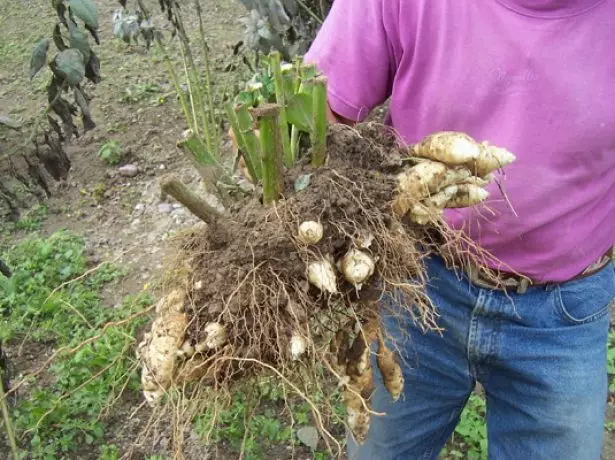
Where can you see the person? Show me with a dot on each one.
(536, 77)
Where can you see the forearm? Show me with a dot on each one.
(333, 117)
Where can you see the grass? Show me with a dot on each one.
(64, 407)
(258, 421)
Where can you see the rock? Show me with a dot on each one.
(128, 170)
(165, 208)
(308, 435)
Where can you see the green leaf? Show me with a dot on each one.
(79, 40)
(70, 66)
(302, 182)
(86, 11)
(39, 57)
(299, 111)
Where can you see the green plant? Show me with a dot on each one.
(469, 441)
(51, 298)
(111, 152)
(140, 92)
(109, 452)
(611, 361)
(74, 62)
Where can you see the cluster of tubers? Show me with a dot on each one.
(451, 172)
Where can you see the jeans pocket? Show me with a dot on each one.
(586, 299)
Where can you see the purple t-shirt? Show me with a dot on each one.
(534, 76)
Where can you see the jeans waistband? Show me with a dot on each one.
(519, 283)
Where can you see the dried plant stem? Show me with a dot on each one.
(271, 150)
(319, 134)
(280, 95)
(196, 205)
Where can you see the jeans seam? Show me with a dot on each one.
(576, 321)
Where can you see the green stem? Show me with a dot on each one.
(280, 95)
(247, 141)
(178, 89)
(319, 135)
(271, 150)
(208, 87)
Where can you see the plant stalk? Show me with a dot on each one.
(171, 185)
(247, 141)
(208, 87)
(280, 95)
(319, 135)
(271, 150)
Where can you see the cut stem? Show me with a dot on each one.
(280, 95)
(171, 185)
(319, 135)
(271, 150)
(247, 141)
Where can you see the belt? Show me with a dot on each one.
(479, 276)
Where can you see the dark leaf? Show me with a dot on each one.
(39, 57)
(79, 40)
(92, 69)
(55, 160)
(123, 3)
(86, 11)
(70, 66)
(84, 105)
(302, 182)
(299, 111)
(93, 33)
(62, 108)
(237, 47)
(60, 9)
(36, 173)
(56, 127)
(57, 38)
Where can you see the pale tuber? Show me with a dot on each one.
(322, 275)
(310, 232)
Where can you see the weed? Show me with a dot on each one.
(109, 452)
(29, 221)
(140, 92)
(111, 152)
(67, 413)
(258, 420)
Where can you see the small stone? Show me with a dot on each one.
(308, 435)
(139, 207)
(176, 205)
(165, 208)
(129, 170)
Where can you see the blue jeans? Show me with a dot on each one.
(540, 356)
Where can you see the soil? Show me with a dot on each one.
(124, 219)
